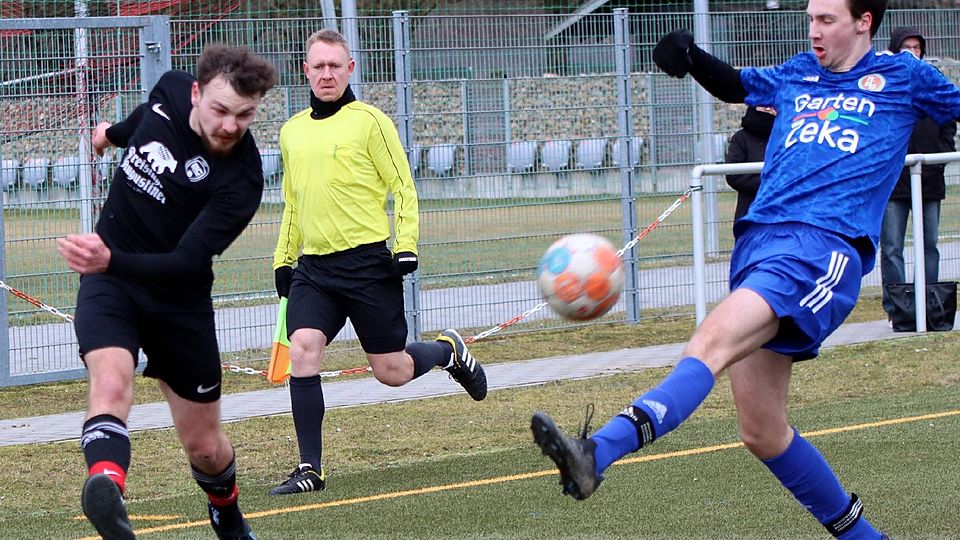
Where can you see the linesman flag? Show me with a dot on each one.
(279, 368)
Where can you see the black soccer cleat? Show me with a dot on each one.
(303, 479)
(574, 457)
(463, 367)
(229, 523)
(103, 505)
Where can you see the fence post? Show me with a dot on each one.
(401, 54)
(5, 372)
(84, 121)
(348, 14)
(628, 192)
(155, 50)
(701, 22)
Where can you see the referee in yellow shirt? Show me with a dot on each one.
(340, 159)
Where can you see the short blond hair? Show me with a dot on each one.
(330, 37)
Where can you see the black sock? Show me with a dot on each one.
(223, 493)
(221, 488)
(428, 355)
(106, 447)
(306, 401)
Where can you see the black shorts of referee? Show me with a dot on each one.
(357, 283)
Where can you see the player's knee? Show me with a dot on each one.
(763, 442)
(710, 350)
(391, 380)
(391, 376)
(306, 352)
(201, 450)
(111, 392)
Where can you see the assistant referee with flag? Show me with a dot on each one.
(341, 157)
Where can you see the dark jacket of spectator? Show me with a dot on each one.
(746, 146)
(927, 138)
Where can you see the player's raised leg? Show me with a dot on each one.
(739, 324)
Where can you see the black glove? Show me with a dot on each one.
(404, 263)
(672, 53)
(282, 276)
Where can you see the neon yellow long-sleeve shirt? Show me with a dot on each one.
(337, 173)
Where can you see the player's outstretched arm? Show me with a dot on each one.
(119, 134)
(676, 55)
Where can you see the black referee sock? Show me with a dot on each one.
(306, 402)
(428, 355)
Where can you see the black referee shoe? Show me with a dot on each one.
(103, 505)
(463, 367)
(303, 479)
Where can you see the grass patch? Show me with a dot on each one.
(903, 472)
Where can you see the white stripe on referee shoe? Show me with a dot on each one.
(823, 292)
(468, 360)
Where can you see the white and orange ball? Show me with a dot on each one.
(581, 276)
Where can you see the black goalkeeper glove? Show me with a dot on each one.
(281, 277)
(672, 53)
(404, 263)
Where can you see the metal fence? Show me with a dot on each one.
(517, 133)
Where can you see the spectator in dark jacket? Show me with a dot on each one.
(747, 146)
(927, 137)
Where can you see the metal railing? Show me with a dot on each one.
(701, 247)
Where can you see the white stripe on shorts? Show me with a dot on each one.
(823, 292)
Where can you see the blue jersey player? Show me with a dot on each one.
(845, 114)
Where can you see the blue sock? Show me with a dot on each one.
(803, 470)
(655, 413)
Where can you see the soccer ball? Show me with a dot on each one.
(581, 276)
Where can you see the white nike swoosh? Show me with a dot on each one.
(156, 108)
(202, 390)
(110, 472)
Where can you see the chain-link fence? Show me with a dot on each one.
(520, 128)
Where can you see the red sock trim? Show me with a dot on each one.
(111, 469)
(225, 501)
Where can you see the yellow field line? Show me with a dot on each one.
(141, 517)
(527, 476)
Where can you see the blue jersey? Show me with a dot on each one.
(839, 139)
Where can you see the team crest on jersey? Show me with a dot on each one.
(196, 169)
(872, 83)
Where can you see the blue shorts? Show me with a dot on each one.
(810, 278)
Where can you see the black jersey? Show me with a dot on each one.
(173, 205)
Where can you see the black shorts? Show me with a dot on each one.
(356, 283)
(179, 339)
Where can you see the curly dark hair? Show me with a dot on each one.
(249, 75)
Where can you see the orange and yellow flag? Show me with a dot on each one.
(279, 368)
